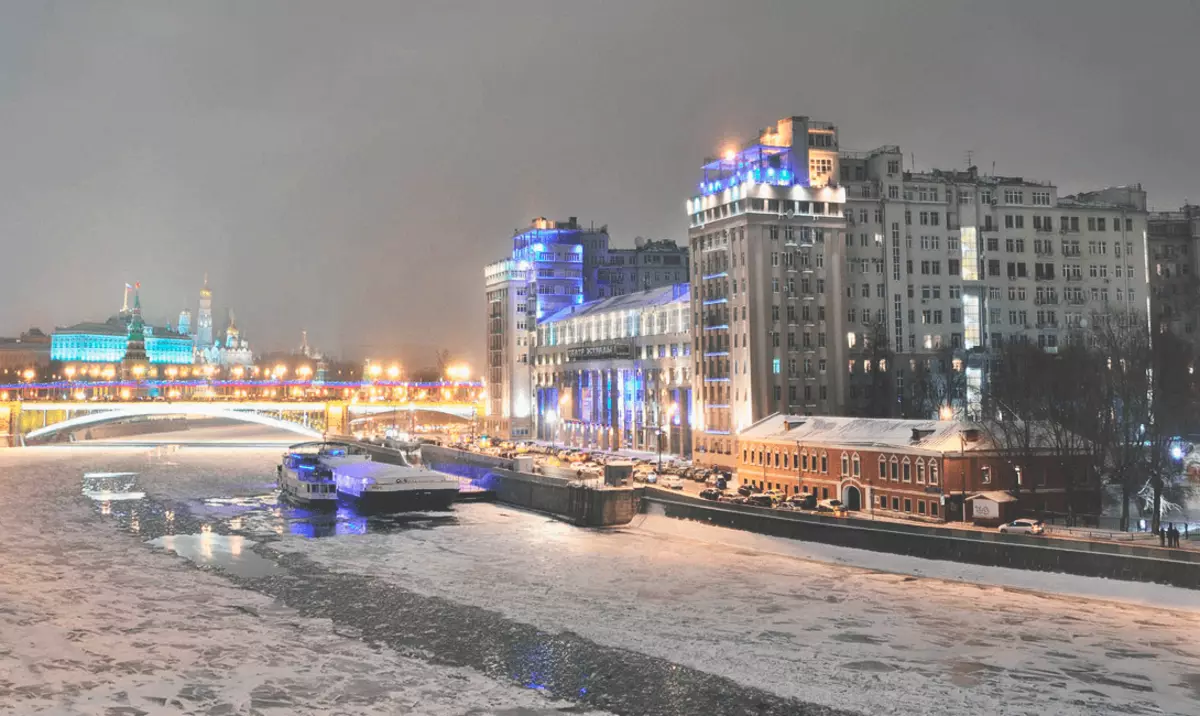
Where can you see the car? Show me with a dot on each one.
(735, 499)
(652, 478)
(760, 501)
(1026, 527)
(746, 490)
(830, 506)
(673, 482)
(807, 501)
(711, 493)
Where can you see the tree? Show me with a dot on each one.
(1015, 404)
(937, 382)
(881, 393)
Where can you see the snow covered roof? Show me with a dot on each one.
(630, 301)
(994, 496)
(930, 436)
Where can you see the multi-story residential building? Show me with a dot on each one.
(916, 469)
(1173, 240)
(650, 263)
(766, 237)
(943, 265)
(615, 373)
(553, 265)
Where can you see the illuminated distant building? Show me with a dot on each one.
(204, 319)
(233, 351)
(185, 323)
(124, 335)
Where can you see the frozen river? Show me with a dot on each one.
(491, 610)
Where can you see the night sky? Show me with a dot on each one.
(349, 167)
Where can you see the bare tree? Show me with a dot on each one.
(938, 382)
(1016, 404)
(881, 393)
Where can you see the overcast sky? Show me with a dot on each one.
(349, 167)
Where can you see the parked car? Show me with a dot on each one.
(711, 493)
(760, 501)
(735, 499)
(830, 506)
(673, 482)
(652, 478)
(807, 501)
(1026, 527)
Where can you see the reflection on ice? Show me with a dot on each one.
(229, 552)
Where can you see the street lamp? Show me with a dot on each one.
(393, 372)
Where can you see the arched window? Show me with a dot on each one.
(785, 459)
(933, 473)
(804, 460)
(895, 469)
(906, 469)
(856, 466)
(824, 463)
(882, 467)
(845, 464)
(920, 471)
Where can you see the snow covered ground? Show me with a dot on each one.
(93, 617)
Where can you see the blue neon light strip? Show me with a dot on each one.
(723, 274)
(718, 432)
(718, 354)
(712, 301)
(716, 328)
(716, 380)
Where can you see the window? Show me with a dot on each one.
(895, 469)
(920, 507)
(845, 464)
(856, 468)
(824, 463)
(906, 467)
(907, 504)
(985, 475)
(882, 468)
(920, 472)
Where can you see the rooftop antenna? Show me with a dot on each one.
(970, 158)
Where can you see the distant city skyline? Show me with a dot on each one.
(357, 187)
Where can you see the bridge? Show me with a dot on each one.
(40, 411)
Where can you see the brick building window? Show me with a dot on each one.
(907, 468)
(933, 474)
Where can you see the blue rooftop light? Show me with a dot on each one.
(539, 247)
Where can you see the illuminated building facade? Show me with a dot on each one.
(543, 275)
(204, 320)
(766, 235)
(940, 266)
(554, 265)
(616, 373)
(122, 338)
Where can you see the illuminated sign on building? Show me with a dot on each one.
(607, 350)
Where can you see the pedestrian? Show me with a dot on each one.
(1174, 536)
(1162, 536)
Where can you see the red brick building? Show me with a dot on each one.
(920, 469)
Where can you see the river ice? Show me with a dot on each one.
(93, 619)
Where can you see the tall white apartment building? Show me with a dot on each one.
(767, 252)
(952, 263)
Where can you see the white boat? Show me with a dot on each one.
(384, 487)
(305, 478)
